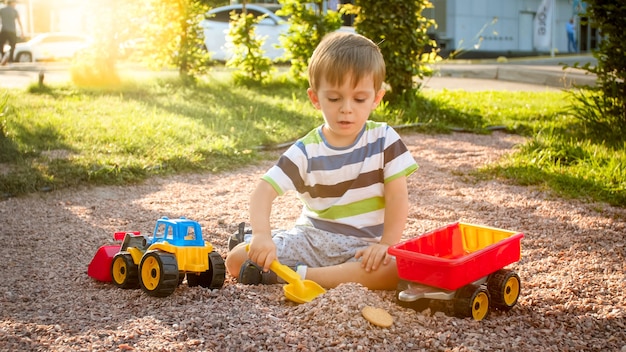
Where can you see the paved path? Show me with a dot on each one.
(527, 74)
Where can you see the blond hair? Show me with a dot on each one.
(342, 53)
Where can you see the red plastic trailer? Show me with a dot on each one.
(463, 264)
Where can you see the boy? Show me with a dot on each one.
(350, 173)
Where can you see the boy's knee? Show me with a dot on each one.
(234, 260)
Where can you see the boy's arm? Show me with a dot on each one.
(262, 249)
(396, 212)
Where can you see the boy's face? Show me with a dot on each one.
(345, 108)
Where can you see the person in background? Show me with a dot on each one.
(572, 46)
(9, 17)
(350, 174)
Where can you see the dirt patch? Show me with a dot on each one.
(572, 268)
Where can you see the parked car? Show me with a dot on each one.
(51, 47)
(216, 27)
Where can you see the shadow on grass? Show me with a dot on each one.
(434, 115)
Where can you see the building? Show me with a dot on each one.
(508, 27)
(500, 27)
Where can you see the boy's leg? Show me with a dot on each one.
(320, 269)
(383, 278)
(235, 259)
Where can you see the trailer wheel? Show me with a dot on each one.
(472, 301)
(212, 278)
(158, 273)
(124, 271)
(504, 287)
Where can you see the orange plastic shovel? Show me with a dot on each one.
(296, 290)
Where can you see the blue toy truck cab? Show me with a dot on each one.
(180, 232)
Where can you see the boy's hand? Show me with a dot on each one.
(262, 251)
(373, 256)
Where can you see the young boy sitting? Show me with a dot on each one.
(349, 173)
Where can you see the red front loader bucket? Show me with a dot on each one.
(100, 266)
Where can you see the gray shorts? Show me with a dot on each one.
(313, 247)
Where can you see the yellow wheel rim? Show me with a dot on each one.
(119, 270)
(480, 306)
(150, 273)
(511, 291)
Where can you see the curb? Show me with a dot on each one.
(552, 76)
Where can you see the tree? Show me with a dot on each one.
(402, 34)
(174, 37)
(604, 108)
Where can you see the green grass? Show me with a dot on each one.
(570, 167)
(54, 137)
(518, 112)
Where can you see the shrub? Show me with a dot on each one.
(248, 54)
(402, 34)
(307, 26)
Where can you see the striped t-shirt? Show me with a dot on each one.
(343, 188)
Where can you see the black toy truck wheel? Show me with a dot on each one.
(158, 273)
(212, 278)
(472, 301)
(124, 271)
(504, 287)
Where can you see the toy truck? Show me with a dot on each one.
(160, 262)
(462, 265)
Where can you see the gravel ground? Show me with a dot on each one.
(572, 269)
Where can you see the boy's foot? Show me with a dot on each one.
(252, 274)
(238, 237)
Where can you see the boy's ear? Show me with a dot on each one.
(379, 96)
(315, 100)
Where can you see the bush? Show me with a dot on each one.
(248, 53)
(93, 70)
(402, 34)
(307, 26)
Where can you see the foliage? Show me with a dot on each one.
(174, 37)
(603, 109)
(248, 53)
(94, 69)
(402, 34)
(215, 3)
(308, 24)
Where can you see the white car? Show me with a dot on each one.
(216, 27)
(51, 47)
